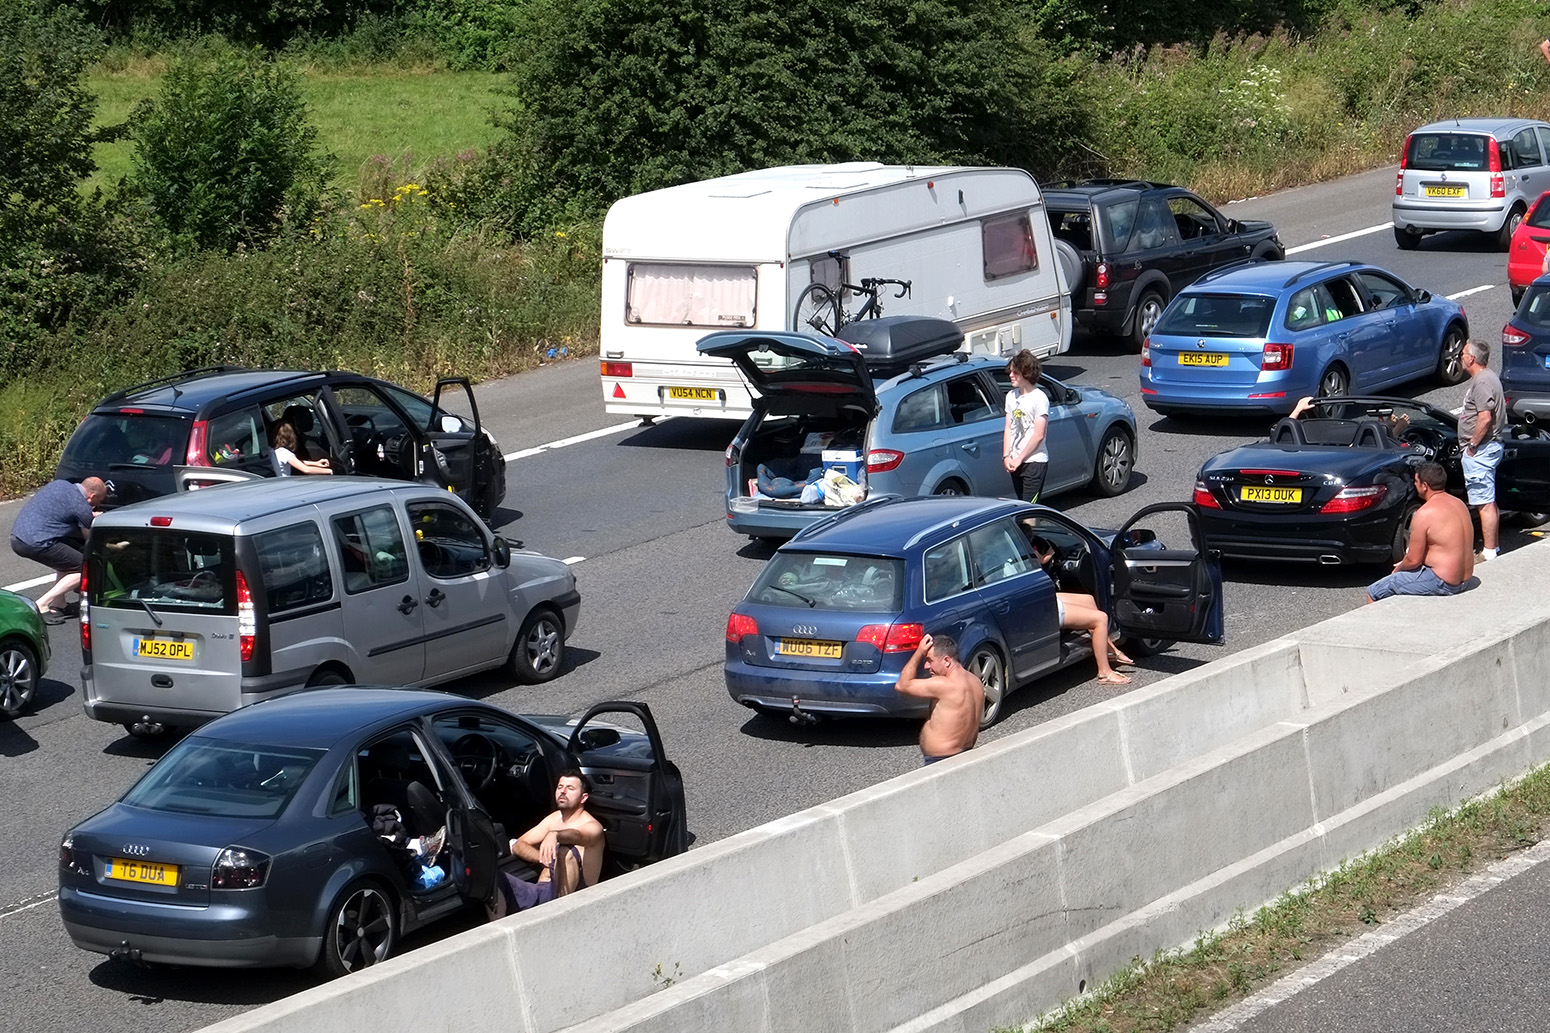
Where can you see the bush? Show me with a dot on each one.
(226, 155)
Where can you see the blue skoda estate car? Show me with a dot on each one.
(913, 416)
(831, 620)
(1256, 337)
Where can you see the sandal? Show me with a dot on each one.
(1116, 655)
(1113, 678)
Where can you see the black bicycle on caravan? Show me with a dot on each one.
(821, 309)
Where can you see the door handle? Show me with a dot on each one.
(407, 604)
(434, 599)
(971, 448)
(1343, 336)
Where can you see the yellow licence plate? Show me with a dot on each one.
(125, 870)
(1445, 191)
(1202, 359)
(808, 647)
(694, 394)
(1250, 493)
(164, 648)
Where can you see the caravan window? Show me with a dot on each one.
(1008, 242)
(691, 295)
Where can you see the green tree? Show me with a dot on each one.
(226, 154)
(619, 96)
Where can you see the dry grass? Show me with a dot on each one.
(1182, 987)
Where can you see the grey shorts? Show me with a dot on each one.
(62, 557)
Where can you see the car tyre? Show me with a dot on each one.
(362, 930)
(1509, 227)
(1450, 357)
(1334, 381)
(1517, 295)
(1116, 462)
(1408, 240)
(1401, 540)
(985, 663)
(1136, 646)
(1268, 252)
(539, 651)
(1148, 311)
(951, 486)
(327, 676)
(18, 677)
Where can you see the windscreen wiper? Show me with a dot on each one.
(799, 595)
(150, 611)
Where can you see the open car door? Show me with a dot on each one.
(473, 853)
(1167, 593)
(451, 438)
(637, 793)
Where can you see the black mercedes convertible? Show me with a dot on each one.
(1337, 486)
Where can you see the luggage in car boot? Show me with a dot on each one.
(894, 342)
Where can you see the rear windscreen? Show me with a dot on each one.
(830, 581)
(1217, 315)
(163, 568)
(1534, 309)
(226, 779)
(1447, 152)
(1119, 218)
(106, 440)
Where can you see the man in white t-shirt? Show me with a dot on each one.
(1027, 419)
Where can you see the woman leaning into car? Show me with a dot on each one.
(1027, 418)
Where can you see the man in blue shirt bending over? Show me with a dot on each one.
(51, 528)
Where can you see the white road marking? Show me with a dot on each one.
(1382, 936)
(1472, 290)
(601, 432)
(1340, 239)
(573, 560)
(28, 904)
(34, 583)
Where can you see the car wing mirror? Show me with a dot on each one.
(502, 552)
(597, 738)
(1137, 536)
(1422, 297)
(451, 425)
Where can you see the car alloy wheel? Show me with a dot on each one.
(1116, 460)
(539, 649)
(1148, 311)
(18, 678)
(1333, 382)
(362, 932)
(986, 665)
(1450, 359)
(950, 487)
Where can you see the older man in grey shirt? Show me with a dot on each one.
(1481, 423)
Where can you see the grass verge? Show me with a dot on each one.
(1180, 987)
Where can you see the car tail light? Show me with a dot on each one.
(1146, 351)
(1498, 181)
(740, 624)
(85, 618)
(1354, 500)
(1277, 356)
(247, 620)
(1203, 497)
(734, 454)
(67, 859)
(1404, 161)
(618, 369)
(1512, 337)
(892, 638)
(196, 444)
(239, 869)
(1102, 279)
(881, 460)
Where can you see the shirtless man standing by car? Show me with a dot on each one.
(957, 698)
(567, 846)
(1441, 557)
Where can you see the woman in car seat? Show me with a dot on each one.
(283, 440)
(1080, 612)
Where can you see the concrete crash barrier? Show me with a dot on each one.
(983, 891)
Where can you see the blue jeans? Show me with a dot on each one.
(1423, 581)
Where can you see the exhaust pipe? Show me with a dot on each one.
(1529, 416)
(1329, 560)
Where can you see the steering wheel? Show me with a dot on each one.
(1423, 441)
(478, 759)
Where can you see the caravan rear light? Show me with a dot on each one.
(1354, 500)
(247, 621)
(892, 638)
(196, 444)
(881, 460)
(618, 369)
(1512, 337)
(1277, 356)
(740, 624)
(1203, 497)
(1102, 280)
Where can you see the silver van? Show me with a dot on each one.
(199, 603)
(1470, 174)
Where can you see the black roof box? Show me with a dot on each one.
(896, 341)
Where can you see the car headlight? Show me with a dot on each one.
(31, 603)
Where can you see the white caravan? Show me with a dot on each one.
(737, 252)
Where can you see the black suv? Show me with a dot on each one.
(1139, 243)
(212, 426)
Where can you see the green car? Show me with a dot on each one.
(23, 652)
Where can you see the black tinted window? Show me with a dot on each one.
(104, 440)
(162, 567)
(1217, 315)
(830, 581)
(1119, 220)
(294, 567)
(226, 779)
(1446, 152)
(947, 570)
(1534, 310)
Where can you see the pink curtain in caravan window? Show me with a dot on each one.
(691, 295)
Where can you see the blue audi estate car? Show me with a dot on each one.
(893, 402)
(1256, 337)
(834, 615)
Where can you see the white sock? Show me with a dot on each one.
(1488, 554)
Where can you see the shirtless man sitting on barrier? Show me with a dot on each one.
(1441, 557)
(957, 698)
(567, 845)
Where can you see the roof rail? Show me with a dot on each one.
(1320, 268)
(202, 371)
(924, 532)
(1069, 184)
(1230, 267)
